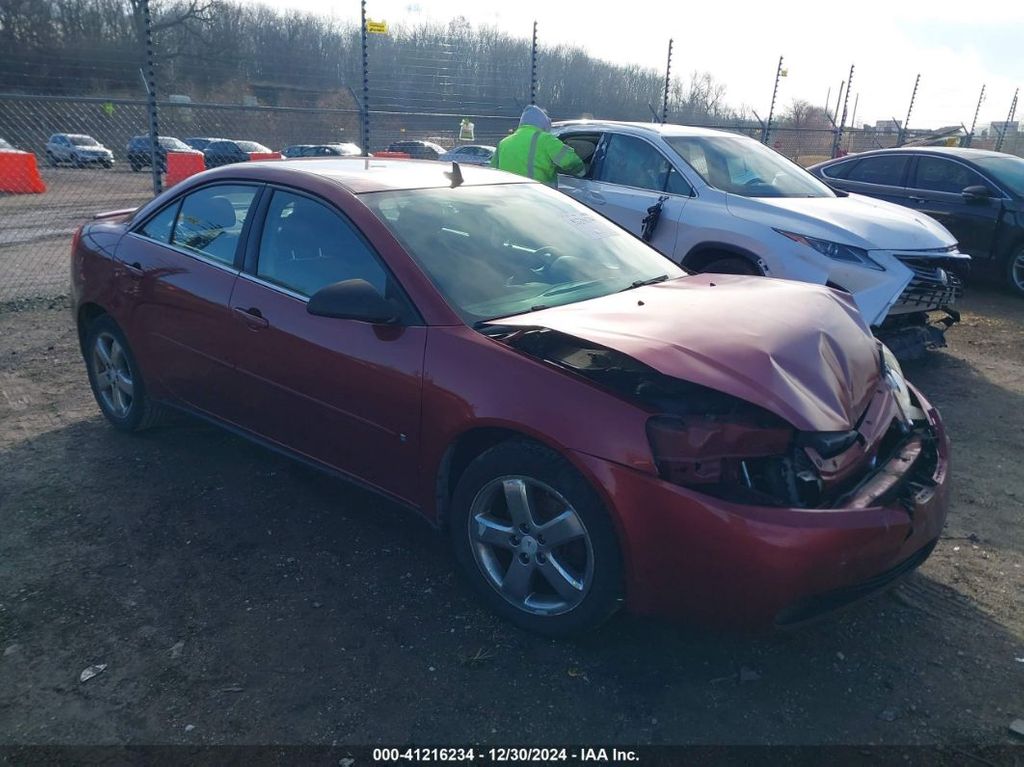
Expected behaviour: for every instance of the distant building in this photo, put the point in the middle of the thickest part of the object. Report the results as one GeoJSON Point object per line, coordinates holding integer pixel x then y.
{"type": "Point", "coordinates": [888, 126]}
{"type": "Point", "coordinates": [999, 127]}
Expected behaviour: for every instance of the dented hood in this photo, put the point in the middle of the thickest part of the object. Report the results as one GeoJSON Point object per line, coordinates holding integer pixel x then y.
{"type": "Point", "coordinates": [800, 351]}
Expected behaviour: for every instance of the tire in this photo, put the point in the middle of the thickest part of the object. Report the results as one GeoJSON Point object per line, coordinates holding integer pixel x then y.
{"type": "Point", "coordinates": [108, 165]}
{"type": "Point", "coordinates": [136, 167]}
{"type": "Point", "coordinates": [731, 265]}
{"type": "Point", "coordinates": [51, 160]}
{"type": "Point", "coordinates": [515, 572]}
{"type": "Point", "coordinates": [77, 162]}
{"type": "Point", "coordinates": [1014, 272]}
{"type": "Point", "coordinates": [125, 405]}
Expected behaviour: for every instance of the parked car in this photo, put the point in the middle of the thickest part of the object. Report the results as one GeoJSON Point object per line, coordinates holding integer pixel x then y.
{"type": "Point", "coordinates": [201, 142]}
{"type": "Point", "coordinates": [7, 146]}
{"type": "Point", "coordinates": [473, 154]}
{"type": "Point", "coordinates": [719, 202]}
{"type": "Point", "coordinates": [139, 154]}
{"type": "Point", "coordinates": [322, 150]}
{"type": "Point", "coordinates": [977, 195]}
{"type": "Point", "coordinates": [78, 150]}
{"type": "Point", "coordinates": [225, 152]}
{"type": "Point", "coordinates": [418, 150]}
{"type": "Point", "coordinates": [589, 422]}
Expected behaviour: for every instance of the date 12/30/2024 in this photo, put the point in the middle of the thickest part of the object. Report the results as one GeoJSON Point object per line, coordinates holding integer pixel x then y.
{"type": "Point", "coordinates": [504, 754]}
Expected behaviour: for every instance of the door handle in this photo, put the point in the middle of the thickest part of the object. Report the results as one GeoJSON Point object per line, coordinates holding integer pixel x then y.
{"type": "Point", "coordinates": [596, 197]}
{"type": "Point", "coordinates": [917, 200]}
{"type": "Point", "coordinates": [134, 269]}
{"type": "Point", "coordinates": [253, 317]}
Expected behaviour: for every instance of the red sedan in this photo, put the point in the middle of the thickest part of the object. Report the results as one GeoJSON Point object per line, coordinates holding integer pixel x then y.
{"type": "Point", "coordinates": [590, 424]}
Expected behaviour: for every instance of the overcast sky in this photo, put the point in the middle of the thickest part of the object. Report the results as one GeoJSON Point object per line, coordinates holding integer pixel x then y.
{"type": "Point", "coordinates": [739, 42]}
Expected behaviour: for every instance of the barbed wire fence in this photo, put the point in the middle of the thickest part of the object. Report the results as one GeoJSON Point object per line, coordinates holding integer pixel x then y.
{"type": "Point", "coordinates": [430, 89]}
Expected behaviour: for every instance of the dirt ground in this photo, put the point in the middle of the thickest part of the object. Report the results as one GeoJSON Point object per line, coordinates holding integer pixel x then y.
{"type": "Point", "coordinates": [236, 597]}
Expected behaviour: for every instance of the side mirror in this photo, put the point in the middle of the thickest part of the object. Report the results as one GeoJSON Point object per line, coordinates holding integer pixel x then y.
{"type": "Point", "coordinates": [352, 300]}
{"type": "Point", "coordinates": [976, 193]}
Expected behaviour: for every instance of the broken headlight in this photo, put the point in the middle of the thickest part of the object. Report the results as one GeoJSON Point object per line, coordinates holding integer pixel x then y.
{"type": "Point", "coordinates": [892, 374]}
{"type": "Point", "coordinates": [835, 250]}
{"type": "Point", "coordinates": [700, 451]}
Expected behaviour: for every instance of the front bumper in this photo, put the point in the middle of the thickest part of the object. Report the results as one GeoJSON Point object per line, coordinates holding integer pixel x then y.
{"type": "Point", "coordinates": [692, 556]}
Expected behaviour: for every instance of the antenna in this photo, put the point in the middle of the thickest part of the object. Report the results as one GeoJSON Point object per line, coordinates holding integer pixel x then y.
{"type": "Point", "coordinates": [455, 175]}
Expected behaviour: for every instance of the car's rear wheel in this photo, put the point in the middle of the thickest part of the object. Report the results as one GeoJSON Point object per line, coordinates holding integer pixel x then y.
{"type": "Point", "coordinates": [115, 378]}
{"type": "Point", "coordinates": [535, 540]}
{"type": "Point", "coordinates": [51, 160]}
{"type": "Point", "coordinates": [1015, 271]}
{"type": "Point", "coordinates": [730, 265]}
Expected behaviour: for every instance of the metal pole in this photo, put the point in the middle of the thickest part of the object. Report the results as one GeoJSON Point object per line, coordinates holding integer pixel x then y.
{"type": "Point", "coordinates": [533, 67]}
{"type": "Point", "coordinates": [839, 97]}
{"type": "Point", "coordinates": [771, 110]}
{"type": "Point", "coordinates": [150, 81]}
{"type": "Point", "coordinates": [906, 123]}
{"type": "Point", "coordinates": [366, 86]}
{"type": "Point", "coordinates": [668, 80]}
{"type": "Point", "coordinates": [974, 122]}
{"type": "Point", "coordinates": [1009, 119]}
{"type": "Point", "coordinates": [842, 123]}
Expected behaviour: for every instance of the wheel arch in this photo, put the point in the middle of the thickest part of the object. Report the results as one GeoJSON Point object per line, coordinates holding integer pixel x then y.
{"type": "Point", "coordinates": [87, 314]}
{"type": "Point", "coordinates": [702, 254]}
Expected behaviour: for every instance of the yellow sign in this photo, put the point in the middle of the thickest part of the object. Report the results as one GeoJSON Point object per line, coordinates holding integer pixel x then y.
{"type": "Point", "coordinates": [377, 27]}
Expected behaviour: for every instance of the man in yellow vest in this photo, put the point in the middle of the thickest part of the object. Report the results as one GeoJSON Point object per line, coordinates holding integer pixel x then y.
{"type": "Point", "coordinates": [535, 153]}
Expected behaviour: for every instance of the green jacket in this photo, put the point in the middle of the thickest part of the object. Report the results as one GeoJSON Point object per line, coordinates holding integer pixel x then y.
{"type": "Point", "coordinates": [536, 154]}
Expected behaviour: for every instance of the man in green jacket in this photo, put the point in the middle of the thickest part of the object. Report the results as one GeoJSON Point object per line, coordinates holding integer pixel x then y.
{"type": "Point", "coordinates": [533, 152]}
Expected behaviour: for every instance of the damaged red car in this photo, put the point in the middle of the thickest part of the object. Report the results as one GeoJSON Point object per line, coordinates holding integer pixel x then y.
{"type": "Point", "coordinates": [592, 426]}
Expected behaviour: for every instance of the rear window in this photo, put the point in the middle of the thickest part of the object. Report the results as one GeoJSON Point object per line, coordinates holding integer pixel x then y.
{"type": "Point", "coordinates": [83, 141]}
{"type": "Point", "coordinates": [251, 146]}
{"type": "Point", "coordinates": [884, 170]}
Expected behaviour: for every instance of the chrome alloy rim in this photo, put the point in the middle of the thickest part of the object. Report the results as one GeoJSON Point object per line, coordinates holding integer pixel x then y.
{"type": "Point", "coordinates": [531, 545]}
{"type": "Point", "coordinates": [1017, 271]}
{"type": "Point", "coordinates": [113, 375]}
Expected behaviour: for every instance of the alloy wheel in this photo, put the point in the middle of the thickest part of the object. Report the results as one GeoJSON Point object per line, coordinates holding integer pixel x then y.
{"type": "Point", "coordinates": [531, 545]}
{"type": "Point", "coordinates": [113, 373]}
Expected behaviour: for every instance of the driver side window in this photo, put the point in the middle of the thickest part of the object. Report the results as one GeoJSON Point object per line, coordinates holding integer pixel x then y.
{"type": "Point", "coordinates": [631, 161]}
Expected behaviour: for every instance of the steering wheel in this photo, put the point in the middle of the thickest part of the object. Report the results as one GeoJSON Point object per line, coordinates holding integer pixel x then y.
{"type": "Point", "coordinates": [756, 181]}
{"type": "Point", "coordinates": [543, 257]}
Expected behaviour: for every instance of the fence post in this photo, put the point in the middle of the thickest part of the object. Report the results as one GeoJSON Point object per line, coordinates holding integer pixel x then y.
{"type": "Point", "coordinates": [150, 81]}
{"type": "Point", "coordinates": [974, 122]}
{"type": "Point", "coordinates": [906, 123]}
{"type": "Point", "coordinates": [838, 139]}
{"type": "Point", "coordinates": [1009, 119]}
{"type": "Point", "coordinates": [771, 110]}
{"type": "Point", "coordinates": [668, 81]}
{"type": "Point", "coordinates": [533, 67]}
{"type": "Point", "coordinates": [366, 85]}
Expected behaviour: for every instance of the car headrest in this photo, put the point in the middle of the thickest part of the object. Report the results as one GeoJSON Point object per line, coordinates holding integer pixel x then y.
{"type": "Point", "coordinates": [220, 212]}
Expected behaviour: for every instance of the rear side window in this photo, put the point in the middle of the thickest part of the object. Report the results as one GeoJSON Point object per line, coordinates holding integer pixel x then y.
{"type": "Point", "coordinates": [159, 226]}
{"type": "Point", "coordinates": [939, 175]}
{"type": "Point", "coordinates": [306, 246]}
{"type": "Point", "coordinates": [887, 170]}
{"type": "Point", "coordinates": [840, 169]}
{"type": "Point", "coordinates": [211, 221]}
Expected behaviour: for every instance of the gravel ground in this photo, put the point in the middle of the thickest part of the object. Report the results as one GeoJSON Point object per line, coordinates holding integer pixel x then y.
{"type": "Point", "coordinates": [231, 596]}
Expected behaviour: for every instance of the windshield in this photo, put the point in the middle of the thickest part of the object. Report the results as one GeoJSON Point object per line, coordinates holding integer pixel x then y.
{"type": "Point", "coordinates": [251, 146]}
{"type": "Point", "coordinates": [84, 141]}
{"type": "Point", "coordinates": [173, 143]}
{"type": "Point", "coordinates": [496, 251]}
{"type": "Point", "coordinates": [1008, 170]}
{"type": "Point", "coordinates": [742, 166]}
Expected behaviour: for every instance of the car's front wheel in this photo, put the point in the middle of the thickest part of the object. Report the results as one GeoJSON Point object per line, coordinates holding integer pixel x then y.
{"type": "Point", "coordinates": [536, 541]}
{"type": "Point", "coordinates": [1015, 271]}
{"type": "Point", "coordinates": [115, 378]}
{"type": "Point", "coordinates": [731, 265]}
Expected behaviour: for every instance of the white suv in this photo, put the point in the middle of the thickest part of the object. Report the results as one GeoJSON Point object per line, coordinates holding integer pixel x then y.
{"type": "Point", "coordinates": [720, 202]}
{"type": "Point", "coordinates": [78, 149]}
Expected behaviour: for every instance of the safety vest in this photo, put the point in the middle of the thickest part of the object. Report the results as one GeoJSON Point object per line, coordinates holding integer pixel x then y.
{"type": "Point", "coordinates": [536, 154]}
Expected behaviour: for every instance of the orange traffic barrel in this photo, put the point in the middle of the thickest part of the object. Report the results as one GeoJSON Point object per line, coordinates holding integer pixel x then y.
{"type": "Point", "coordinates": [19, 173]}
{"type": "Point", "coordinates": [181, 165]}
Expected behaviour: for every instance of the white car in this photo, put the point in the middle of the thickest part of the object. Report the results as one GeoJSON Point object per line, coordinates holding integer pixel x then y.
{"type": "Point", "coordinates": [471, 154]}
{"type": "Point", "coordinates": [720, 202]}
{"type": "Point", "coordinates": [78, 149]}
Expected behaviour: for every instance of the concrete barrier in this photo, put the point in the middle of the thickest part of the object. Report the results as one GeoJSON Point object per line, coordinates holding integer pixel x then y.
{"type": "Point", "coordinates": [392, 155]}
{"type": "Point", "coordinates": [181, 165]}
{"type": "Point", "coordinates": [19, 173]}
{"type": "Point", "coordinates": [256, 156]}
